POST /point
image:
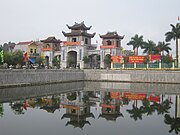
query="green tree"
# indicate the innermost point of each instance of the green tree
(107, 61)
(39, 60)
(86, 59)
(56, 62)
(174, 34)
(8, 58)
(167, 59)
(0, 56)
(9, 46)
(163, 47)
(136, 42)
(149, 47)
(18, 57)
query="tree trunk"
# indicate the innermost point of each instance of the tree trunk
(177, 52)
(137, 51)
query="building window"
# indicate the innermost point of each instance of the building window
(73, 39)
(31, 50)
(73, 111)
(86, 40)
(47, 46)
(109, 42)
(117, 43)
(34, 50)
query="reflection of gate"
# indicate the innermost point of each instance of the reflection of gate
(47, 61)
(72, 59)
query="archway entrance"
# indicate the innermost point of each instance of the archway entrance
(72, 59)
(107, 61)
(47, 61)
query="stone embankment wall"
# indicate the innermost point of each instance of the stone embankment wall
(150, 76)
(20, 77)
(29, 77)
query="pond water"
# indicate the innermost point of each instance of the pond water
(89, 108)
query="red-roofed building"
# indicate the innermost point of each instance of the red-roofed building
(29, 47)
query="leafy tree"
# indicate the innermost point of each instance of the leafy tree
(18, 57)
(107, 60)
(56, 62)
(98, 58)
(136, 42)
(39, 60)
(8, 58)
(86, 59)
(0, 56)
(174, 34)
(14, 58)
(167, 59)
(8, 46)
(149, 47)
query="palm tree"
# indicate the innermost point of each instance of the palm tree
(149, 47)
(147, 108)
(136, 42)
(174, 123)
(135, 112)
(162, 46)
(175, 35)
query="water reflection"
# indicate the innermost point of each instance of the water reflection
(80, 108)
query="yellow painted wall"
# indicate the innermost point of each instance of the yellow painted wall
(32, 46)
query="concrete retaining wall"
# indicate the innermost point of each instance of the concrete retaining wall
(133, 76)
(31, 77)
(20, 76)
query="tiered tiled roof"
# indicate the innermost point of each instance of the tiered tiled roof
(79, 26)
(51, 40)
(78, 33)
(78, 29)
(110, 35)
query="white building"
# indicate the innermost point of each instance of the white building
(76, 46)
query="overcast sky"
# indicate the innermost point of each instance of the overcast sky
(25, 20)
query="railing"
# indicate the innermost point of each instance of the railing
(142, 66)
